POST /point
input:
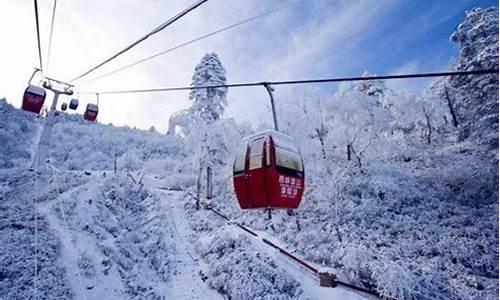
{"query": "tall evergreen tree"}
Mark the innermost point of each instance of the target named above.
(209, 104)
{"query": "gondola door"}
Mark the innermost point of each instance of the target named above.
(240, 176)
(256, 175)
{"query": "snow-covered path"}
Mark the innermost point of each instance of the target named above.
(189, 273)
(74, 244)
(186, 283)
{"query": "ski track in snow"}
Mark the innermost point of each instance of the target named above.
(186, 282)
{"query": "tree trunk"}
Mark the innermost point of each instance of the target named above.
(450, 107)
(339, 237)
(322, 142)
(349, 149)
(429, 127)
(198, 188)
(209, 183)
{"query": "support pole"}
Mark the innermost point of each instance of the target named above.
(270, 90)
(44, 143)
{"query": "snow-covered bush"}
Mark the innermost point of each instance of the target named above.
(18, 191)
(239, 270)
(17, 131)
(78, 145)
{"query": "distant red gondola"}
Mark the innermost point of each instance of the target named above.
(91, 112)
(33, 99)
(64, 106)
(268, 172)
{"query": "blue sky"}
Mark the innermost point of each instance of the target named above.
(310, 39)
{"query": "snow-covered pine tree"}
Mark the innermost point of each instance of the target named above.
(476, 97)
(209, 104)
(201, 123)
(375, 88)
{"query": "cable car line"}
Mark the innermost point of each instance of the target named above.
(50, 36)
(35, 255)
(305, 81)
(149, 34)
(220, 30)
(38, 36)
(64, 218)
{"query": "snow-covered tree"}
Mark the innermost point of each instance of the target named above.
(357, 118)
(209, 103)
(476, 97)
(201, 123)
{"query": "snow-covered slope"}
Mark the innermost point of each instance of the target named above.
(105, 235)
(399, 200)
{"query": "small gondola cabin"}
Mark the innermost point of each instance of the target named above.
(33, 98)
(268, 172)
(73, 104)
(91, 112)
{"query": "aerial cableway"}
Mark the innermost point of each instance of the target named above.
(268, 171)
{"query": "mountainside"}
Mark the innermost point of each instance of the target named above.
(401, 196)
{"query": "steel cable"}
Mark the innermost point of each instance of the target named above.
(50, 37)
(154, 31)
(220, 30)
(38, 36)
(305, 81)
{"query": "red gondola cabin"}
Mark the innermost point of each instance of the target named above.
(33, 99)
(91, 112)
(64, 106)
(268, 172)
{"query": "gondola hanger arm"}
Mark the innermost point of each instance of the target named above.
(270, 91)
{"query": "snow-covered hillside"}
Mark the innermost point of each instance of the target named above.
(401, 196)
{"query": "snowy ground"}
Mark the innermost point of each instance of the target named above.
(102, 236)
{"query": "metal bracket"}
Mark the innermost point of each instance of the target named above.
(67, 88)
(270, 90)
(33, 75)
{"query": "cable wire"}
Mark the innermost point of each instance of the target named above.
(154, 31)
(64, 218)
(38, 36)
(35, 256)
(50, 37)
(220, 30)
(305, 81)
